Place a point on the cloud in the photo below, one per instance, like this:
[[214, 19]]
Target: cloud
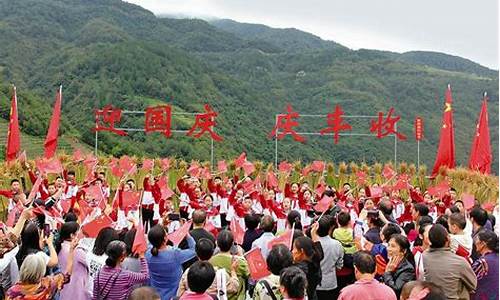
[[465, 28]]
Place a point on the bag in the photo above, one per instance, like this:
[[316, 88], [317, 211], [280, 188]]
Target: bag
[[102, 295]]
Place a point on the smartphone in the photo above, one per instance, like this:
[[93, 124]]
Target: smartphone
[[174, 217], [46, 230]]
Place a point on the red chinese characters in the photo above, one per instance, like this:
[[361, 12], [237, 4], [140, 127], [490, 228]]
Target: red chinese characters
[[384, 127], [106, 118], [285, 124], [335, 123], [205, 123], [158, 119]]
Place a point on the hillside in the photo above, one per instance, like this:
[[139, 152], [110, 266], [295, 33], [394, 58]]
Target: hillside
[[109, 51]]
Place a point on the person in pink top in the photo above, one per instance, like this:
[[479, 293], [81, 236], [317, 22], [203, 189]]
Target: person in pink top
[[366, 287], [200, 277]]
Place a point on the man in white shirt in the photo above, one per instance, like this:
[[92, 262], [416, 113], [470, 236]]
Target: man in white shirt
[[267, 225]]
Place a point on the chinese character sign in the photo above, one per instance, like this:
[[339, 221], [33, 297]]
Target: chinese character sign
[[285, 125], [106, 118], [335, 123], [384, 127], [205, 122], [158, 119]]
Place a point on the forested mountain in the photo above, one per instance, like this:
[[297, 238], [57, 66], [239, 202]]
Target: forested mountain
[[113, 52]]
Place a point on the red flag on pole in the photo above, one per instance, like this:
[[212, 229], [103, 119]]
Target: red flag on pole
[[285, 238], [238, 232], [439, 190], [318, 166], [480, 154], [14, 134], [92, 228], [323, 204], [165, 164], [177, 236], [147, 164], [222, 166], [248, 168], [140, 245], [256, 264], [388, 172], [446, 150], [166, 192], [272, 181], [468, 200], [241, 160], [53, 132], [130, 199], [361, 178], [49, 166], [285, 167]]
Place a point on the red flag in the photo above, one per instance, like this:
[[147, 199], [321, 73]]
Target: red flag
[[11, 217], [238, 232], [480, 154], [92, 228], [166, 192], [323, 204], [248, 186], [489, 206], [241, 160], [14, 134], [402, 183], [376, 192], [94, 192], [49, 166], [65, 205], [221, 166], [53, 132], [205, 173], [22, 157], [285, 167], [439, 190], [318, 166], [468, 200], [388, 172], [248, 168], [272, 181], [320, 189], [306, 171], [77, 155], [285, 238], [177, 236], [194, 170], [361, 178], [446, 150], [256, 264], [140, 245], [148, 164], [130, 199], [165, 164], [34, 189]]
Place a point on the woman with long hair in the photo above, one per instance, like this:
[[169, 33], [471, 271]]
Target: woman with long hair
[[165, 262], [77, 288], [33, 241], [114, 283], [486, 267], [401, 266]]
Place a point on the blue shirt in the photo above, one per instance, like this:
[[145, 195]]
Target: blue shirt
[[165, 269]]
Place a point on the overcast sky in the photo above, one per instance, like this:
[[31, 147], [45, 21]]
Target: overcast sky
[[465, 28]]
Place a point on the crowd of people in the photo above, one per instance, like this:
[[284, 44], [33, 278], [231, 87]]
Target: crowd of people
[[215, 237]]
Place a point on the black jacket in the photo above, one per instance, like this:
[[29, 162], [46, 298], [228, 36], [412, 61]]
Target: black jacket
[[404, 273]]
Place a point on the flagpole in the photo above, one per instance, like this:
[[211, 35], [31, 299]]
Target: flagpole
[[418, 155]]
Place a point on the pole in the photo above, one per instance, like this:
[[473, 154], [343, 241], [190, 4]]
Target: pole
[[418, 155], [276, 144], [95, 143], [212, 153], [396, 146]]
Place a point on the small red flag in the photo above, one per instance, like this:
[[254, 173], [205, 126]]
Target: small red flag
[[130, 199], [148, 164], [248, 168], [49, 166], [446, 150], [320, 189], [402, 183], [177, 236], [14, 134], [323, 204], [222, 166], [248, 186], [468, 200], [11, 217], [480, 154], [140, 245], [77, 155], [439, 190], [306, 171], [376, 192], [489, 206], [194, 170], [65, 205], [92, 228], [165, 164], [53, 132], [318, 166], [166, 192], [285, 238], [256, 264], [361, 178], [272, 181], [241, 160], [285, 167], [205, 173], [34, 189], [238, 232], [388, 172]]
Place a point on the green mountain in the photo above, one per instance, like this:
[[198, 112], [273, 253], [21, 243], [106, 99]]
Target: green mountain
[[113, 52]]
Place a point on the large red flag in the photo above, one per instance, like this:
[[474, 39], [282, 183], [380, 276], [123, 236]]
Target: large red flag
[[14, 135], [324, 204], [256, 264], [49, 166], [53, 132], [480, 153], [446, 150], [92, 228]]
